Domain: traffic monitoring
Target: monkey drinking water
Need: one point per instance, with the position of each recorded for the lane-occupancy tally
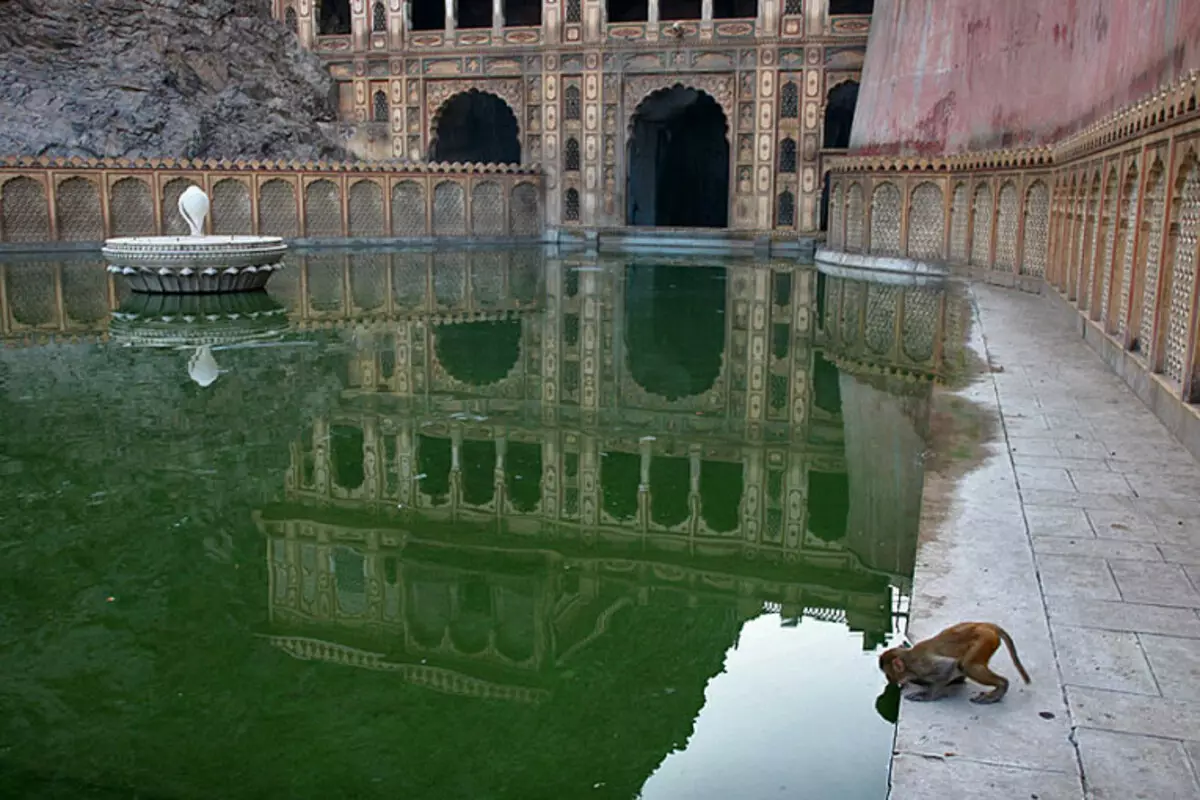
(959, 652)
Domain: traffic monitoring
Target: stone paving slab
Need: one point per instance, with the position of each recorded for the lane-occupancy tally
(1080, 534)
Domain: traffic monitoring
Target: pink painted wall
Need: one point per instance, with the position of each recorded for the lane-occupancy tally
(944, 76)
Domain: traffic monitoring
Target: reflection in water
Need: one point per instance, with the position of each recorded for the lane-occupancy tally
(198, 323)
(525, 527)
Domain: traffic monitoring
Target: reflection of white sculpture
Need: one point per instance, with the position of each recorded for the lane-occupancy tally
(196, 264)
(202, 367)
(193, 205)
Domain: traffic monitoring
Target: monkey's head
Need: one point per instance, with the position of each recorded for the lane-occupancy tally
(891, 663)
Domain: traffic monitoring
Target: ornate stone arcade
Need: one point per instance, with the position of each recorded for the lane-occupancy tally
(573, 74)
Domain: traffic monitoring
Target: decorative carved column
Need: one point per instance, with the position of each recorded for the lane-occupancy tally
(815, 15)
(652, 22)
(753, 473)
(645, 498)
(372, 476)
(322, 469)
(591, 201)
(590, 348)
(547, 153)
(551, 473)
(694, 453)
(451, 20)
(405, 459)
(306, 29)
(595, 17)
(646, 452)
(552, 350)
(497, 17)
(360, 25)
(589, 480)
(767, 21)
(399, 22)
(757, 312)
(551, 22)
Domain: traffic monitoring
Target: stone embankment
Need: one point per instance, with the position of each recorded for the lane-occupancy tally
(160, 78)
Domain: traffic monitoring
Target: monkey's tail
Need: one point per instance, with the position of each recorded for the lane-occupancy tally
(1012, 651)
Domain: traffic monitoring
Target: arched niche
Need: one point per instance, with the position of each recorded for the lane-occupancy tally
(678, 161)
(475, 127)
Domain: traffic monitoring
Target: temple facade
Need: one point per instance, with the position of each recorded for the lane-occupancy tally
(664, 113)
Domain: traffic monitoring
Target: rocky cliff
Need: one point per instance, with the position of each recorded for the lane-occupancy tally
(160, 78)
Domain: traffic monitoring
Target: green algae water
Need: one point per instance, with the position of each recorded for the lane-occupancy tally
(459, 524)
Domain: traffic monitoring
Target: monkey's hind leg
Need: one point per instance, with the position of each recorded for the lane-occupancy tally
(980, 673)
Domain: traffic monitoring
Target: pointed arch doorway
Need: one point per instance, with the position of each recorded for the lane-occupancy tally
(677, 161)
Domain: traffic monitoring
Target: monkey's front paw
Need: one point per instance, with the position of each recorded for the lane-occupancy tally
(918, 696)
(986, 698)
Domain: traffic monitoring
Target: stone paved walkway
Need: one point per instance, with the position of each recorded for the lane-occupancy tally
(1080, 534)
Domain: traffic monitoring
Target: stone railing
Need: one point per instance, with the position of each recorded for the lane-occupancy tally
(989, 212)
(58, 200)
(1109, 217)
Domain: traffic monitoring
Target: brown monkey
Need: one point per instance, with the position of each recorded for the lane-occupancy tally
(959, 652)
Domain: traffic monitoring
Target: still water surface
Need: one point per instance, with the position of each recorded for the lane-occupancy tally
(458, 525)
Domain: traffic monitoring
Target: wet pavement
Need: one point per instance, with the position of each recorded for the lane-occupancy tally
(1079, 534)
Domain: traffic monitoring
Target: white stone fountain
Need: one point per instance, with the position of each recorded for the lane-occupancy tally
(195, 264)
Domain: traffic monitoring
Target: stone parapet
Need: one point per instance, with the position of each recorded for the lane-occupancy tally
(44, 201)
(1108, 217)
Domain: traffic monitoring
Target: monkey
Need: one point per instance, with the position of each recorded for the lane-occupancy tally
(959, 652)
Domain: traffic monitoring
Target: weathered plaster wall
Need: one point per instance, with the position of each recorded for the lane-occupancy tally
(944, 76)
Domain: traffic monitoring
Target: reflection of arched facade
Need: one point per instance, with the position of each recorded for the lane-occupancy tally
(678, 161)
(885, 328)
(478, 353)
(675, 328)
(475, 127)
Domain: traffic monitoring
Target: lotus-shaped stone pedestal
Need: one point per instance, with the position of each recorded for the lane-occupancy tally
(195, 264)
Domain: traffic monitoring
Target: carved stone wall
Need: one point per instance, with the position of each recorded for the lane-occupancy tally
(578, 77)
(315, 204)
(1110, 217)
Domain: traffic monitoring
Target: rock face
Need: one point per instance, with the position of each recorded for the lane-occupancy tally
(160, 78)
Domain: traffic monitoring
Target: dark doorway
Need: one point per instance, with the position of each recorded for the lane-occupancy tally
(675, 327)
(679, 9)
(476, 128)
(839, 115)
(522, 13)
(678, 162)
(851, 7)
(428, 15)
(334, 19)
(735, 9)
(628, 10)
(474, 14)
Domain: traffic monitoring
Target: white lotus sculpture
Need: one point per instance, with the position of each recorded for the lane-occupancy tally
(198, 263)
